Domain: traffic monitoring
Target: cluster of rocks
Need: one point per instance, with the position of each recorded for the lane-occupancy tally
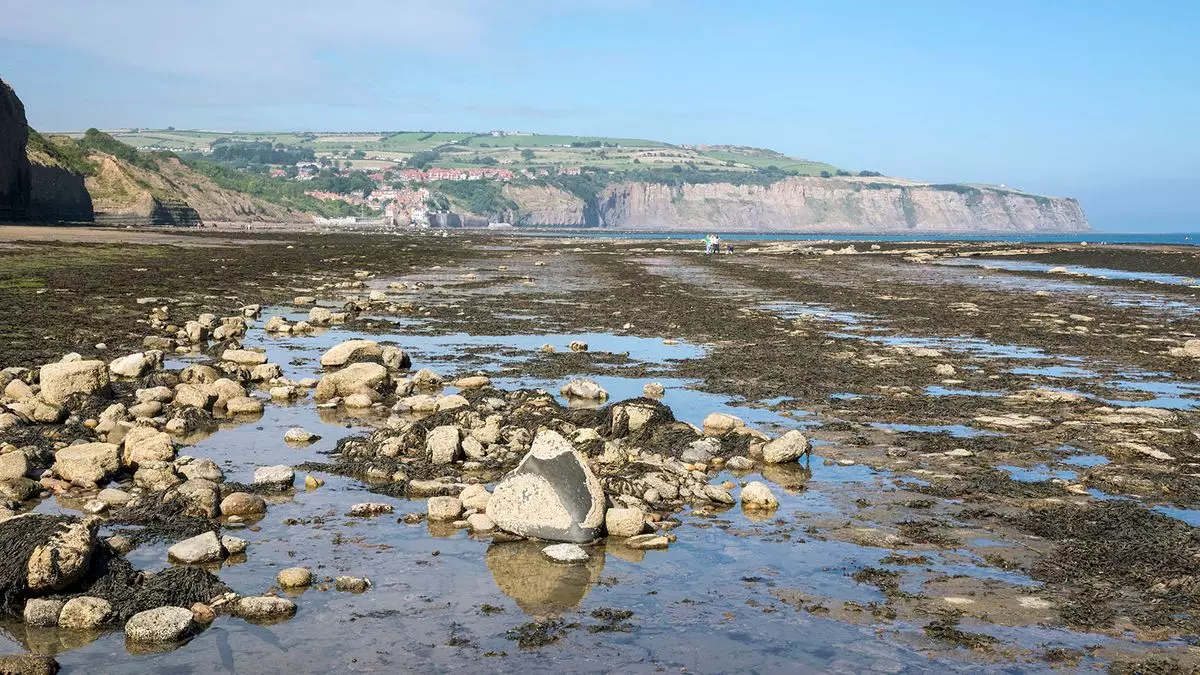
(567, 474)
(58, 573)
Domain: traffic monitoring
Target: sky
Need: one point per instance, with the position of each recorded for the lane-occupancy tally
(1093, 99)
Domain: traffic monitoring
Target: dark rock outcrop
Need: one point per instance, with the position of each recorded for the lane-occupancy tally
(14, 165)
(58, 195)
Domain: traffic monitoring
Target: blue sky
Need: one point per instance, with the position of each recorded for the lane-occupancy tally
(1093, 99)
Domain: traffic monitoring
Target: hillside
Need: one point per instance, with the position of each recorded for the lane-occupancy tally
(515, 151)
(98, 178)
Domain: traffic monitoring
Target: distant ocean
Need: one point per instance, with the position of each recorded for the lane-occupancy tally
(1178, 238)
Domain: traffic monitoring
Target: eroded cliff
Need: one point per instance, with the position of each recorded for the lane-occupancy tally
(804, 205)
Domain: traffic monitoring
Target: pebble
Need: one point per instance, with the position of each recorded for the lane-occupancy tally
(648, 541)
(367, 509)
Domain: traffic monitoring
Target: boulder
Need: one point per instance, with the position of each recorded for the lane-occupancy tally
(552, 494)
(444, 509)
(134, 365)
(299, 436)
(201, 497)
(202, 467)
(61, 380)
(195, 395)
(294, 577)
(155, 476)
(624, 522)
(226, 390)
(353, 379)
(244, 357)
(479, 522)
(164, 624)
(352, 351)
(147, 444)
(654, 390)
(86, 464)
(319, 316)
(42, 613)
(584, 389)
(720, 424)
(444, 444)
(279, 475)
(1190, 349)
(473, 382)
(13, 465)
(475, 497)
(787, 448)
(396, 358)
(757, 496)
(199, 374)
(198, 550)
(244, 405)
(63, 558)
(243, 504)
(39, 411)
(264, 608)
(85, 613)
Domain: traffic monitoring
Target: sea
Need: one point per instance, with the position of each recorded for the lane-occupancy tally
(1164, 238)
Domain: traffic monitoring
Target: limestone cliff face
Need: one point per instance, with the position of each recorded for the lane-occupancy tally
(547, 205)
(14, 165)
(809, 205)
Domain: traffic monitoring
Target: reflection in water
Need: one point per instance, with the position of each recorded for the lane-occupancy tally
(541, 588)
(790, 476)
(48, 641)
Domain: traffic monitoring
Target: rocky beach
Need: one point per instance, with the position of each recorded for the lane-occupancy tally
(225, 451)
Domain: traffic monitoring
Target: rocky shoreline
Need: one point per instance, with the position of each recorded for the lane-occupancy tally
(574, 435)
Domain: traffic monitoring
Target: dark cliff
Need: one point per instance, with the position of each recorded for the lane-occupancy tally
(14, 165)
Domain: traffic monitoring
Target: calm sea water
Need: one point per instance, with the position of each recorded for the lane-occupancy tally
(1178, 238)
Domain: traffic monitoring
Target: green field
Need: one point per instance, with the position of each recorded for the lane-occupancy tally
(460, 149)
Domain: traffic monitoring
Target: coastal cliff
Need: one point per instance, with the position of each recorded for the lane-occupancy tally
(802, 204)
(14, 165)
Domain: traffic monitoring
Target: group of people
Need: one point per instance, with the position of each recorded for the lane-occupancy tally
(712, 244)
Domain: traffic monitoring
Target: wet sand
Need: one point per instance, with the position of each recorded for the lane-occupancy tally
(949, 519)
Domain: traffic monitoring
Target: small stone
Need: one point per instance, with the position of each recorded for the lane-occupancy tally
(311, 482)
(566, 553)
(294, 577)
(740, 463)
(654, 390)
(352, 584)
(368, 509)
(233, 545)
(299, 436)
(203, 614)
(647, 542)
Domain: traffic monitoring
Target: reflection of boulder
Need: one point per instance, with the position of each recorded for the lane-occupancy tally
(792, 477)
(540, 587)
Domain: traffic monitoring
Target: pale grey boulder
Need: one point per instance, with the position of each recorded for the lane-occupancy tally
(552, 494)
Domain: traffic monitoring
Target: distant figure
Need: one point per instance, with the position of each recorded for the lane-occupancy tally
(729, 249)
